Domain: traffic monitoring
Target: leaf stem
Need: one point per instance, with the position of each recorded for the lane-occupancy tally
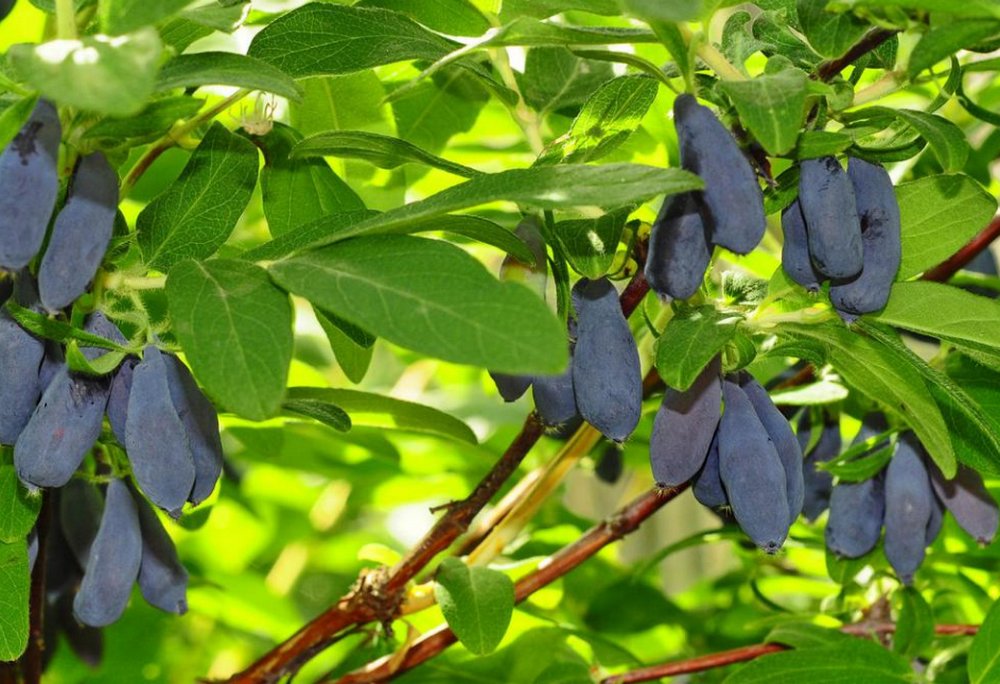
(711, 56)
(65, 20)
(891, 81)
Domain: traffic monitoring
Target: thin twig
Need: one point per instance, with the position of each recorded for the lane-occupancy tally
(946, 269)
(31, 661)
(868, 42)
(622, 523)
(747, 653)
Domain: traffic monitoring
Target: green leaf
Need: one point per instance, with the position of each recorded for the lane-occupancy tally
(15, 585)
(53, 329)
(123, 16)
(322, 39)
(554, 78)
(481, 230)
(542, 9)
(543, 187)
(529, 32)
(814, 144)
(772, 106)
(194, 216)
(236, 331)
(383, 151)
(829, 34)
(476, 602)
(387, 413)
(432, 297)
(153, 120)
(672, 10)
(969, 8)
(859, 462)
(228, 69)
(322, 411)
(607, 119)
(914, 624)
(888, 378)
(939, 214)
(105, 74)
(353, 355)
(944, 312)
(297, 191)
(947, 38)
(856, 660)
(691, 339)
(102, 365)
(945, 138)
(13, 118)
(984, 655)
(18, 510)
(451, 17)
(348, 102)
(590, 244)
(801, 635)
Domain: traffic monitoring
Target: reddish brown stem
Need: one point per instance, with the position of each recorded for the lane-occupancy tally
(747, 653)
(31, 661)
(959, 259)
(378, 594)
(625, 521)
(871, 40)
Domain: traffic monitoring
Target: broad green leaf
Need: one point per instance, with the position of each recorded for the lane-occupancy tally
(814, 144)
(857, 464)
(914, 623)
(671, 10)
(543, 9)
(15, 585)
(845, 662)
(13, 117)
(975, 435)
(434, 110)
(347, 102)
(322, 411)
(383, 151)
(829, 33)
(198, 22)
(939, 214)
(590, 244)
(482, 230)
(102, 365)
(378, 411)
(123, 16)
(54, 329)
(451, 17)
(823, 391)
(322, 39)
(984, 655)
(607, 119)
(887, 377)
(943, 311)
(228, 69)
(432, 297)
(236, 331)
(18, 510)
(105, 74)
(195, 215)
(945, 39)
(529, 32)
(945, 138)
(691, 339)
(969, 8)
(352, 351)
(545, 187)
(772, 107)
(477, 603)
(155, 119)
(554, 78)
(802, 635)
(297, 191)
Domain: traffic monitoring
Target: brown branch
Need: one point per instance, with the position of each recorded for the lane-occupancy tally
(31, 661)
(959, 259)
(625, 521)
(378, 594)
(871, 40)
(747, 653)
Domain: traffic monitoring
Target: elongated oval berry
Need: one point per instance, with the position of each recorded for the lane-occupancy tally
(555, 402)
(827, 200)
(114, 561)
(856, 513)
(784, 442)
(53, 360)
(751, 472)
(936, 520)
(732, 201)
(817, 483)
(684, 427)
(607, 380)
(21, 356)
(511, 387)
(163, 579)
(878, 212)
(679, 250)
(121, 386)
(708, 487)
(201, 424)
(155, 438)
(62, 429)
(87, 642)
(30, 180)
(908, 503)
(795, 257)
(80, 233)
(611, 464)
(80, 508)
(969, 501)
